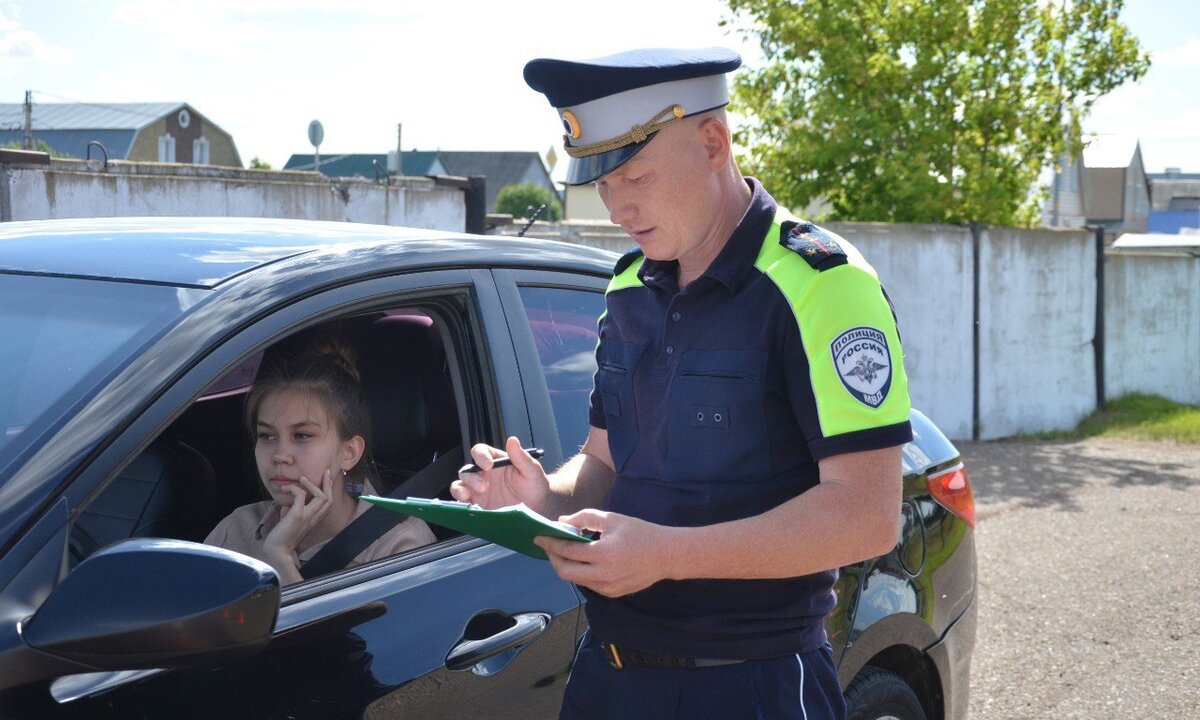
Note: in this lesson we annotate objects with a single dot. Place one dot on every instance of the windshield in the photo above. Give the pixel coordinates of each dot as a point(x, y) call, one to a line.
point(62, 336)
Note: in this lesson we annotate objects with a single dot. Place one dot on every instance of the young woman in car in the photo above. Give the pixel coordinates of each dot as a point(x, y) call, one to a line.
point(311, 426)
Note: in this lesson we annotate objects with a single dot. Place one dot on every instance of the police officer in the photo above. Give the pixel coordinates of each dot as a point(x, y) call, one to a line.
point(747, 414)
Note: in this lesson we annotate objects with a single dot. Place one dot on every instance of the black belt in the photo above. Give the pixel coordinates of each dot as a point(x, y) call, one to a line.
point(620, 657)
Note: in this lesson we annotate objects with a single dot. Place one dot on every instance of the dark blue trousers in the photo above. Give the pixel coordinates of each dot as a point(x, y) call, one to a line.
point(800, 687)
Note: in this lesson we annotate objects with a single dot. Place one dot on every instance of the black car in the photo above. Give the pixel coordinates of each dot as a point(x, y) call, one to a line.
point(127, 348)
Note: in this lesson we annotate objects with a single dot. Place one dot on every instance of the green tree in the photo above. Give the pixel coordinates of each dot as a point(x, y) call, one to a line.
point(521, 199)
point(42, 146)
point(256, 164)
point(924, 110)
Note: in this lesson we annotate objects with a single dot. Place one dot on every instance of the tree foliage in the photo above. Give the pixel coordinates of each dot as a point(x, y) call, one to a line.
point(42, 146)
point(522, 199)
point(924, 110)
point(258, 164)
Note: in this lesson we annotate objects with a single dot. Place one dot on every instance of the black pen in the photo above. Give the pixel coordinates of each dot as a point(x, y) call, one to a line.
point(501, 462)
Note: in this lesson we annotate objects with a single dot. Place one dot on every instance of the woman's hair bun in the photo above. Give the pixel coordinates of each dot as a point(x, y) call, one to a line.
point(336, 353)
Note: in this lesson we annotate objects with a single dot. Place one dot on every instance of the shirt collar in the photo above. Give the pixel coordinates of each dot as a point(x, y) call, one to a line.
point(735, 262)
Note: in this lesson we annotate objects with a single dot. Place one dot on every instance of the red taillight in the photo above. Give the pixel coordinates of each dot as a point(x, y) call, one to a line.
point(952, 489)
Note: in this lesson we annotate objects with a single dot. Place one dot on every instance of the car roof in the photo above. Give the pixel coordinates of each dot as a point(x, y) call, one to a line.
point(205, 252)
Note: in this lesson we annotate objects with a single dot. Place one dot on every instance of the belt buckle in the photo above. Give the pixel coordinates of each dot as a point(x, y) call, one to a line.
point(613, 656)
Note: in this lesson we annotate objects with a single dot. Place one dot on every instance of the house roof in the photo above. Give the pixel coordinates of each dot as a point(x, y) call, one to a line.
point(1173, 176)
point(68, 127)
point(85, 116)
point(1157, 240)
point(1109, 151)
point(1104, 193)
point(1107, 159)
point(74, 143)
point(415, 163)
point(500, 167)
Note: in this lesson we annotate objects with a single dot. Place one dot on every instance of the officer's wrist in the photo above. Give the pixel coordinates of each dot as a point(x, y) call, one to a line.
point(677, 553)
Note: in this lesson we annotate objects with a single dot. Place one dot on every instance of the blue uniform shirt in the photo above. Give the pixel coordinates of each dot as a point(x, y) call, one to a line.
point(716, 410)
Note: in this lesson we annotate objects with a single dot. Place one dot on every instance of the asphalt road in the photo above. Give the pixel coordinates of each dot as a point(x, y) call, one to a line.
point(1089, 597)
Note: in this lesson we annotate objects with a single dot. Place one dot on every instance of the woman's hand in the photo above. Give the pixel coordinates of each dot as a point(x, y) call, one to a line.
point(524, 481)
point(310, 504)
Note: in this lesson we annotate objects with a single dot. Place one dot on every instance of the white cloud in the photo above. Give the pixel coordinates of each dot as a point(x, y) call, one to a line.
point(169, 10)
point(1186, 55)
point(18, 42)
point(449, 70)
point(5, 24)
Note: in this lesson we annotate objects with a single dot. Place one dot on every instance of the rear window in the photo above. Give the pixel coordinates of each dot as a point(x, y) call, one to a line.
point(62, 336)
point(563, 322)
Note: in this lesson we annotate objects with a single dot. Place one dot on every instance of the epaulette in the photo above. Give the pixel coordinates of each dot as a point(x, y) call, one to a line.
point(626, 260)
point(817, 247)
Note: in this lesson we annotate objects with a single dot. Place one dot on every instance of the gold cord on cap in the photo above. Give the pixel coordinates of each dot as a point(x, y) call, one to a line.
point(636, 134)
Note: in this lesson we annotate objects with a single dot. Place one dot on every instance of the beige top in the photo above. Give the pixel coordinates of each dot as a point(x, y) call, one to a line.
point(244, 530)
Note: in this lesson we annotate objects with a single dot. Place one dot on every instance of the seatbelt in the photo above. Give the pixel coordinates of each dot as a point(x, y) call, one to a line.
point(374, 523)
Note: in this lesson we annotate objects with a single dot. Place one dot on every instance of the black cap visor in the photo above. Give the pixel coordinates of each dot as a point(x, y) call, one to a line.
point(584, 170)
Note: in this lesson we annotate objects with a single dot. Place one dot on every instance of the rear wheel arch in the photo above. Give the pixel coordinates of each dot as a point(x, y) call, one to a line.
point(916, 669)
point(877, 694)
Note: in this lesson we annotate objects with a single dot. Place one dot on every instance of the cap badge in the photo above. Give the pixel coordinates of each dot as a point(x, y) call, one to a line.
point(637, 134)
point(571, 125)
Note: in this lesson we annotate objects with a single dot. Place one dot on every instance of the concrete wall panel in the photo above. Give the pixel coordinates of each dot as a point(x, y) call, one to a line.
point(927, 271)
point(437, 208)
point(1037, 326)
point(1152, 314)
point(69, 190)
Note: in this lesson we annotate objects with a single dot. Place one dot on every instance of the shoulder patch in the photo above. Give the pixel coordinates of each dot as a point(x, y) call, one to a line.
point(817, 247)
point(626, 260)
point(864, 362)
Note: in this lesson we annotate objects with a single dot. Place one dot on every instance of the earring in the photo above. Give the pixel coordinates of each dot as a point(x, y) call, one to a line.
point(354, 488)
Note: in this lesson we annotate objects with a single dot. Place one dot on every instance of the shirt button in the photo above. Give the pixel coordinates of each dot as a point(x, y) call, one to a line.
point(670, 349)
point(675, 316)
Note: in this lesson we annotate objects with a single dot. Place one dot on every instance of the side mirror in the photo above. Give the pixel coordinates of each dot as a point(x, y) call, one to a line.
point(152, 603)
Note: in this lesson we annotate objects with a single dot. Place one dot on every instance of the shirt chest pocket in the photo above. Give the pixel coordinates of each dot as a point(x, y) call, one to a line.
point(614, 380)
point(717, 426)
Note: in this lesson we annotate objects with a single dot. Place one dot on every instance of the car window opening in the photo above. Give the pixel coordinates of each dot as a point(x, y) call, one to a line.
point(203, 466)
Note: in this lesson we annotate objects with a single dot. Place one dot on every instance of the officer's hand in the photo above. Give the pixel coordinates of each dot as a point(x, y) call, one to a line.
point(522, 482)
point(630, 555)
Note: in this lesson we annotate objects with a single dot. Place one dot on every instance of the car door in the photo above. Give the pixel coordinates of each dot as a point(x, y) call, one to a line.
point(458, 628)
point(552, 317)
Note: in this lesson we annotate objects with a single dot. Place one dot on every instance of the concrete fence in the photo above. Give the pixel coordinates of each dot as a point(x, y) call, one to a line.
point(1152, 311)
point(74, 188)
point(1032, 366)
point(1001, 327)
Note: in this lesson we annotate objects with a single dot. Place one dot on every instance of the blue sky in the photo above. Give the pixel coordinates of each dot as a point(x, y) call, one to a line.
point(449, 71)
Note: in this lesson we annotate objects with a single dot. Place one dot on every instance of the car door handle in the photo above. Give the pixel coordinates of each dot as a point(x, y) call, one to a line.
point(525, 628)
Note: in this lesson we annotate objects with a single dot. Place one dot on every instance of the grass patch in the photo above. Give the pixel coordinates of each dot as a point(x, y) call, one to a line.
point(1140, 417)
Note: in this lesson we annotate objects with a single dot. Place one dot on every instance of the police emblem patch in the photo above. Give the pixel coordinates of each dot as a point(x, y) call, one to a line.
point(864, 363)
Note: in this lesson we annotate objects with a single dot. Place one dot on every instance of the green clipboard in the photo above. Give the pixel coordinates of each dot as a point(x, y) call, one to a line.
point(513, 527)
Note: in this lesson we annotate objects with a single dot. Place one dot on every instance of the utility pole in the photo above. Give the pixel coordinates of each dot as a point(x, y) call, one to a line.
point(400, 166)
point(28, 119)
